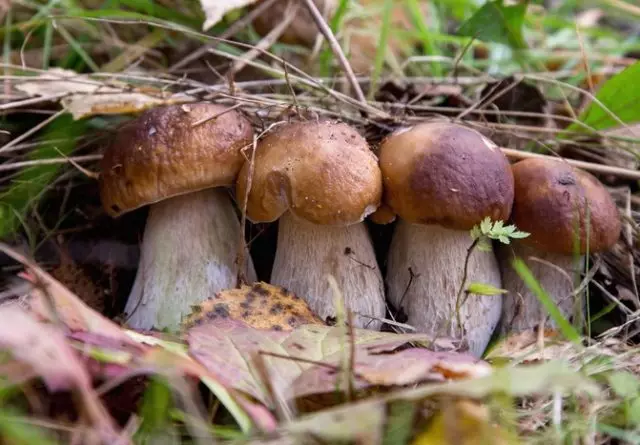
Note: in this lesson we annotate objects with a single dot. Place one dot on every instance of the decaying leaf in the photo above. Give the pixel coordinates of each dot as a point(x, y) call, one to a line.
point(83, 96)
point(108, 351)
point(50, 300)
point(365, 418)
point(530, 346)
point(41, 346)
point(303, 356)
point(261, 306)
point(45, 349)
point(405, 367)
point(214, 10)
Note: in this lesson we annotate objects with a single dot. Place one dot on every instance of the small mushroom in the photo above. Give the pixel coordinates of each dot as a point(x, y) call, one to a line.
point(171, 158)
point(441, 179)
point(556, 203)
point(321, 180)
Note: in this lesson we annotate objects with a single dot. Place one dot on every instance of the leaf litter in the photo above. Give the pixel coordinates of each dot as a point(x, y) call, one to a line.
point(302, 358)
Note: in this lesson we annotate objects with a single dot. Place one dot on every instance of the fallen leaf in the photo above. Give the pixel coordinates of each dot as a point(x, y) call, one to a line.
point(530, 346)
point(214, 10)
point(303, 356)
point(406, 367)
point(83, 96)
point(261, 306)
point(81, 106)
point(45, 349)
point(109, 350)
point(70, 310)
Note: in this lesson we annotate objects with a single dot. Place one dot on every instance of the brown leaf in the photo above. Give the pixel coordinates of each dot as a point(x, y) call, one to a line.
point(302, 359)
point(530, 346)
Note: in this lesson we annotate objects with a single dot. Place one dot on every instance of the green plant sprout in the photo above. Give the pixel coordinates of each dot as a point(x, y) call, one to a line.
point(482, 234)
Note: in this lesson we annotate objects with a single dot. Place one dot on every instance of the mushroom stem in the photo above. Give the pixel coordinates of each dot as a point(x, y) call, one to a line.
point(307, 253)
point(555, 273)
point(425, 270)
point(188, 254)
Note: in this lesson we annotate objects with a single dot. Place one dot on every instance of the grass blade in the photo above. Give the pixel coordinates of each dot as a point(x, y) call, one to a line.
point(552, 309)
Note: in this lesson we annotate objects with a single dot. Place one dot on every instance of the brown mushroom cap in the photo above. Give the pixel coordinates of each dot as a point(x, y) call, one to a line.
point(446, 174)
point(551, 197)
point(161, 154)
point(323, 172)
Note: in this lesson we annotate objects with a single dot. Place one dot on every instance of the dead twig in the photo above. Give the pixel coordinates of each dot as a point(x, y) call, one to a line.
point(337, 51)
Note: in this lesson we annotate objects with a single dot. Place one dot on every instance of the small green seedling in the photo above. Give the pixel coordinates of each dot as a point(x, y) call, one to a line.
point(482, 234)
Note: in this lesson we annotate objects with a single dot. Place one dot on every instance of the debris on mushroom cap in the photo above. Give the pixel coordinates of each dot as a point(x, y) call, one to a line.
point(162, 153)
point(551, 197)
point(261, 306)
point(323, 172)
point(447, 174)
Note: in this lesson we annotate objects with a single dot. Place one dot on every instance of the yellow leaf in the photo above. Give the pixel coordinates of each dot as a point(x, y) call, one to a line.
point(462, 422)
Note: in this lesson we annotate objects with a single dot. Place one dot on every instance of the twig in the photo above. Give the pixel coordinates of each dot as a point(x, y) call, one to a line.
point(242, 279)
point(267, 41)
point(589, 166)
point(337, 51)
point(235, 27)
point(31, 131)
point(214, 116)
point(352, 358)
point(19, 165)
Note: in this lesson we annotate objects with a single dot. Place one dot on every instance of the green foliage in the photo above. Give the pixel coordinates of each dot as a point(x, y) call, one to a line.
point(627, 387)
point(18, 430)
point(155, 412)
point(402, 414)
point(484, 289)
point(552, 309)
point(496, 22)
point(487, 230)
point(618, 97)
point(31, 182)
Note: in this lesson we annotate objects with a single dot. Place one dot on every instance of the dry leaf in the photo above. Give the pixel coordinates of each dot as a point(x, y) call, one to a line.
point(83, 96)
point(116, 103)
point(109, 350)
point(70, 309)
point(236, 325)
point(530, 347)
point(261, 306)
point(45, 349)
point(214, 10)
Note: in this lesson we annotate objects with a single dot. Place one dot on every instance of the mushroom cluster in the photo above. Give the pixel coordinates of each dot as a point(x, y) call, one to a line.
point(320, 180)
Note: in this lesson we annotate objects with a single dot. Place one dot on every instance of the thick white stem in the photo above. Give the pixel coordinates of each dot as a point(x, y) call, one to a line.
point(307, 253)
point(436, 257)
point(188, 254)
point(555, 273)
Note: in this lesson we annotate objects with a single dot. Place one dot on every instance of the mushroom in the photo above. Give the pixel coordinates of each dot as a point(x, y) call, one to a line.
point(441, 179)
point(321, 180)
point(171, 158)
point(552, 199)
